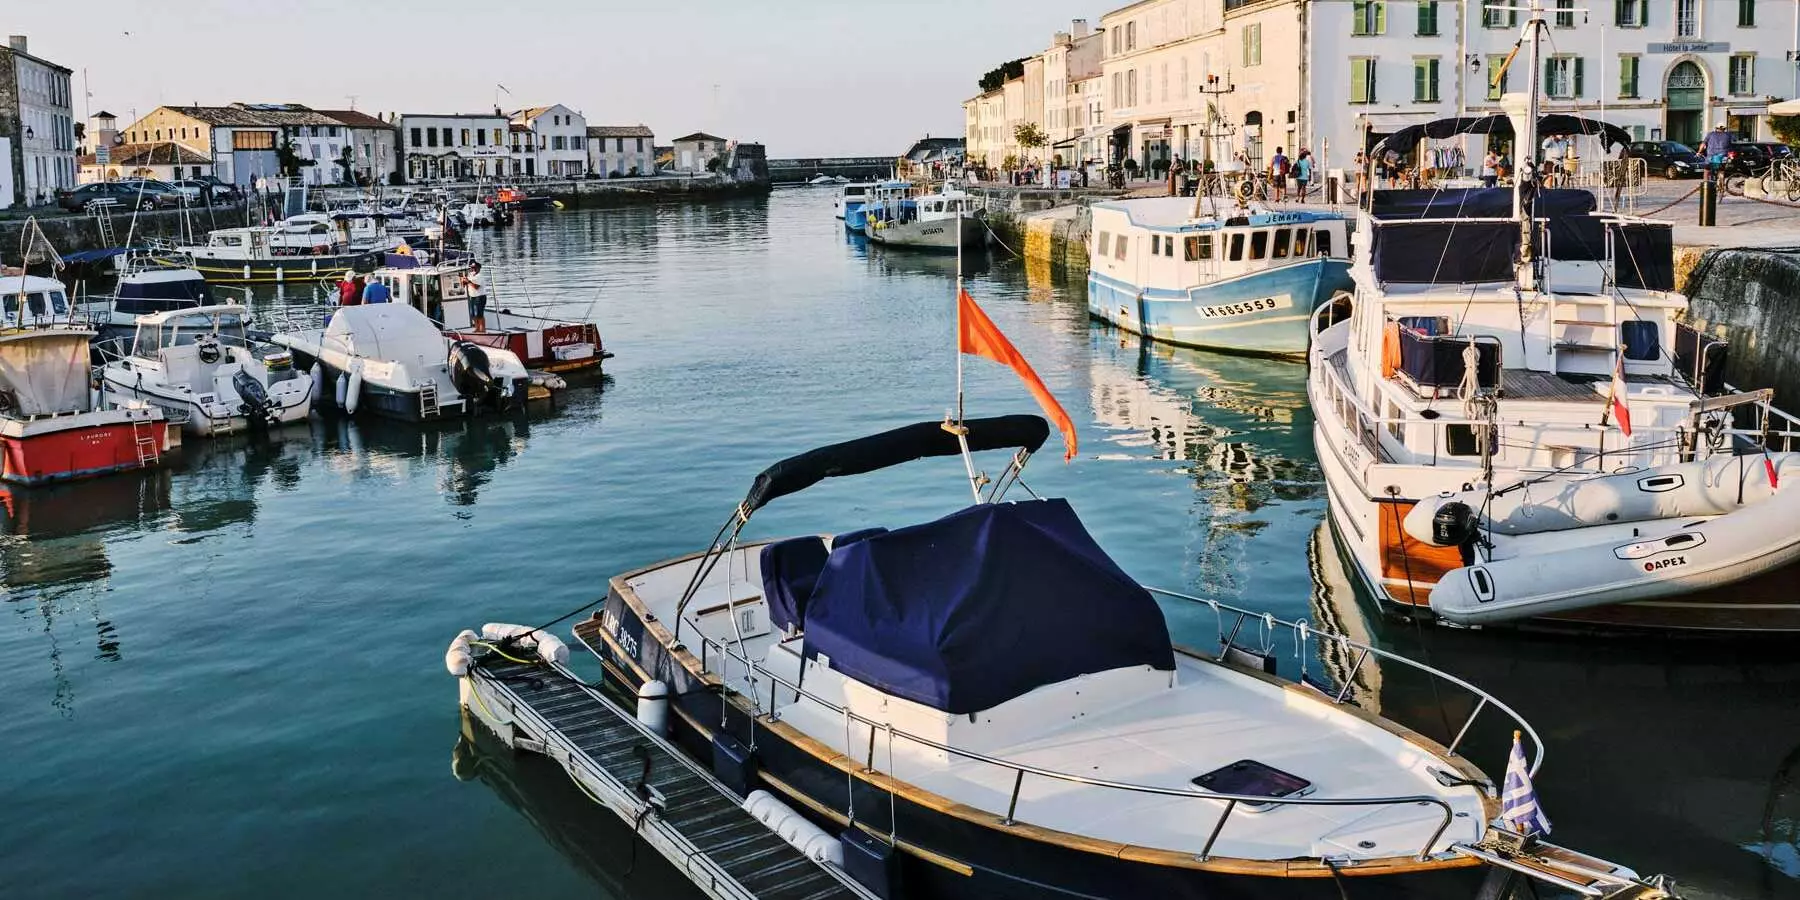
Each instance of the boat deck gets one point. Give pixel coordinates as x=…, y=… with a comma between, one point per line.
x=702, y=827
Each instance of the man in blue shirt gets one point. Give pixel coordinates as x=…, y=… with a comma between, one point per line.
x=377, y=292
x=1718, y=141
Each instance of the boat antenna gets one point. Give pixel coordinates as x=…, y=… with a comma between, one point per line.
x=954, y=423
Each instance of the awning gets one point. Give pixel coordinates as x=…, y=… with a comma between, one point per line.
x=1785, y=108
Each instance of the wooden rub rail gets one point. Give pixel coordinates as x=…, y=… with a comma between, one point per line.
x=696, y=822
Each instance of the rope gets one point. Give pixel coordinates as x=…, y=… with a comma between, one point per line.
x=1677, y=202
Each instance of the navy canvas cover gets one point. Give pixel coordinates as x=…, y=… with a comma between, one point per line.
x=981, y=606
x=1475, y=203
x=1445, y=252
x=789, y=570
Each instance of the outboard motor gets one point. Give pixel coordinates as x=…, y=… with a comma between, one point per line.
x=470, y=372
x=1454, y=525
x=257, y=404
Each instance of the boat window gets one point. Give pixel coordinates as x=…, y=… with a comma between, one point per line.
x=1237, y=247
x=1259, y=244
x=35, y=300
x=1642, y=342
x=1299, y=242
x=1281, y=243
x=1105, y=245
x=1155, y=244
x=1459, y=440
x=1198, y=248
x=11, y=302
x=1169, y=247
x=1119, y=248
x=1322, y=242
x=59, y=302
x=146, y=342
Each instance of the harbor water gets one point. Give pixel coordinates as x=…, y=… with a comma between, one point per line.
x=225, y=678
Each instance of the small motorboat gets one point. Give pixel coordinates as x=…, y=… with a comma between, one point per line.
x=851, y=198
x=476, y=214
x=943, y=221
x=50, y=427
x=202, y=369
x=388, y=359
x=302, y=247
x=147, y=285
x=1006, y=703
x=31, y=301
x=438, y=290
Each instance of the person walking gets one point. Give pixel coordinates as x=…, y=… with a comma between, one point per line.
x=1716, y=145
x=477, y=285
x=1490, y=169
x=1303, y=167
x=1278, y=174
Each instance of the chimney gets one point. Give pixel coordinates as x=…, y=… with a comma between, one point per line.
x=1080, y=27
x=17, y=42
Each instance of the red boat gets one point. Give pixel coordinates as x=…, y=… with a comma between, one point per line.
x=49, y=428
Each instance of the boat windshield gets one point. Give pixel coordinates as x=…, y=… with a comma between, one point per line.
x=39, y=303
x=227, y=327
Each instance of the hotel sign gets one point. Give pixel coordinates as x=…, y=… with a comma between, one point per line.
x=1692, y=47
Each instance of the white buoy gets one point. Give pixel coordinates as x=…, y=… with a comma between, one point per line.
x=653, y=706
x=353, y=392
x=318, y=382
x=796, y=829
x=338, y=386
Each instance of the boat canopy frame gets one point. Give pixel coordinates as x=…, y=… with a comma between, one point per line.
x=1024, y=433
x=1405, y=139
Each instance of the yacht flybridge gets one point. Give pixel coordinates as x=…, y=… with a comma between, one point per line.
x=1514, y=424
x=992, y=706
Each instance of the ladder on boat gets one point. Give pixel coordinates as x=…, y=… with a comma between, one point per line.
x=428, y=401
x=149, y=452
x=694, y=820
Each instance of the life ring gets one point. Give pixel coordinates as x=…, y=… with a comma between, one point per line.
x=208, y=349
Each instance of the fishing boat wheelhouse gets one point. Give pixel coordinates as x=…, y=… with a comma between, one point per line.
x=1515, y=427
x=50, y=428
x=439, y=291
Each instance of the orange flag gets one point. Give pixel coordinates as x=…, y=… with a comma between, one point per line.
x=977, y=335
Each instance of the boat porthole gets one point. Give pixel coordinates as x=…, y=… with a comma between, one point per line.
x=1462, y=815
x=1366, y=845
x=1612, y=517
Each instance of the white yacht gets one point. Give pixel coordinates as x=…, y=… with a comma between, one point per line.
x=201, y=368
x=1515, y=426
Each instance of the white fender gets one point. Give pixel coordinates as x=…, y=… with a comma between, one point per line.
x=338, y=386
x=318, y=383
x=458, y=659
x=796, y=829
x=653, y=706
x=353, y=393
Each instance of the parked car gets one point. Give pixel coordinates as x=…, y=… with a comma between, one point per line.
x=166, y=193
x=1670, y=159
x=221, y=190
x=1754, y=157
x=123, y=194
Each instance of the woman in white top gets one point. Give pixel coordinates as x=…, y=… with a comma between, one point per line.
x=1490, y=169
x=477, y=297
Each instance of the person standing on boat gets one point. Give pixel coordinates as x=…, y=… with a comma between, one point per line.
x=377, y=292
x=1556, y=149
x=1490, y=169
x=477, y=297
x=347, y=294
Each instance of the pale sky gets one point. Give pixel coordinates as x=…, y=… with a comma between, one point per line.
x=805, y=77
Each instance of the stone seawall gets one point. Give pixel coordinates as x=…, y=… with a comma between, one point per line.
x=69, y=233
x=1751, y=299
x=600, y=193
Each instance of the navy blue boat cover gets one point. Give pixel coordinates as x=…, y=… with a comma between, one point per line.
x=981, y=606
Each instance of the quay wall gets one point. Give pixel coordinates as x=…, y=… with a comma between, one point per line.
x=1751, y=299
x=72, y=232
x=600, y=193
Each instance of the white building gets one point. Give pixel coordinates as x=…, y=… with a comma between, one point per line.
x=167, y=161
x=549, y=141
x=1072, y=60
x=102, y=131
x=374, y=153
x=985, y=133
x=1189, y=78
x=1669, y=69
x=696, y=151
x=37, y=126
x=454, y=147
x=621, y=150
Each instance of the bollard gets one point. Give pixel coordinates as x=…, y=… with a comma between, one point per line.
x=1709, y=201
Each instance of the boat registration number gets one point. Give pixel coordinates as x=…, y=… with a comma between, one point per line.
x=627, y=642
x=1247, y=307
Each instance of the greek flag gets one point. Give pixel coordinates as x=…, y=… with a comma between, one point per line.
x=1518, y=801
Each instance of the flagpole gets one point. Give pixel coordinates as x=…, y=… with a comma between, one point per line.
x=959, y=429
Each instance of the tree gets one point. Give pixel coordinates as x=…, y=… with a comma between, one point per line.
x=996, y=78
x=1010, y=163
x=1030, y=136
x=1786, y=128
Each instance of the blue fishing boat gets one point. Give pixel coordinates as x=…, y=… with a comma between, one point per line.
x=856, y=214
x=1246, y=281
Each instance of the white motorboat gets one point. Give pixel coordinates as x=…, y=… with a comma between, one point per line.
x=850, y=199
x=201, y=368
x=439, y=290
x=477, y=214
x=946, y=220
x=1514, y=425
x=30, y=301
x=302, y=247
x=390, y=360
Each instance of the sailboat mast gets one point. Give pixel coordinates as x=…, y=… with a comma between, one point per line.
x=1529, y=137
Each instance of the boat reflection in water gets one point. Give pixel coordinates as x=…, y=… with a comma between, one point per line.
x=1658, y=751
x=585, y=833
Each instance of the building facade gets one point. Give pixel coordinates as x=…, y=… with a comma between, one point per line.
x=242, y=145
x=616, y=151
x=37, y=123
x=985, y=134
x=695, y=152
x=245, y=142
x=166, y=161
x=1072, y=60
x=453, y=147
x=370, y=148
x=550, y=141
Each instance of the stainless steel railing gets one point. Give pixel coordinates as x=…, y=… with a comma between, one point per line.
x=755, y=672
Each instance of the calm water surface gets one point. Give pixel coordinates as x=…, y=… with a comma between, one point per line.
x=226, y=679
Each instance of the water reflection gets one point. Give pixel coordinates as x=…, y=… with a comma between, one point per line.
x=584, y=832
x=1667, y=755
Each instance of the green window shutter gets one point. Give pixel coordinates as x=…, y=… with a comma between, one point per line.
x=1371, y=64
x=1550, y=77
x=1578, y=91
x=1434, y=80
x=1359, y=17
x=1359, y=81
x=1380, y=17
x=1619, y=11
x=1643, y=12
x=1418, y=79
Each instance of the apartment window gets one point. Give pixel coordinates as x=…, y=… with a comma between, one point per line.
x=1631, y=13
x=1131, y=88
x=1428, y=23
x=447, y=137
x=1746, y=13
x=1497, y=75
x=431, y=137
x=640, y=145
x=1425, y=79
x=1687, y=18
x=1115, y=40
x=1499, y=18
x=1362, y=79
x=331, y=131
x=465, y=137
x=1252, y=36
x=1563, y=76
x=481, y=137
x=1165, y=82
x=1628, y=76
x=253, y=140
x=1130, y=36
x=1118, y=90
x=498, y=140
x=1368, y=17
x=1743, y=74
x=1565, y=13
x=556, y=143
